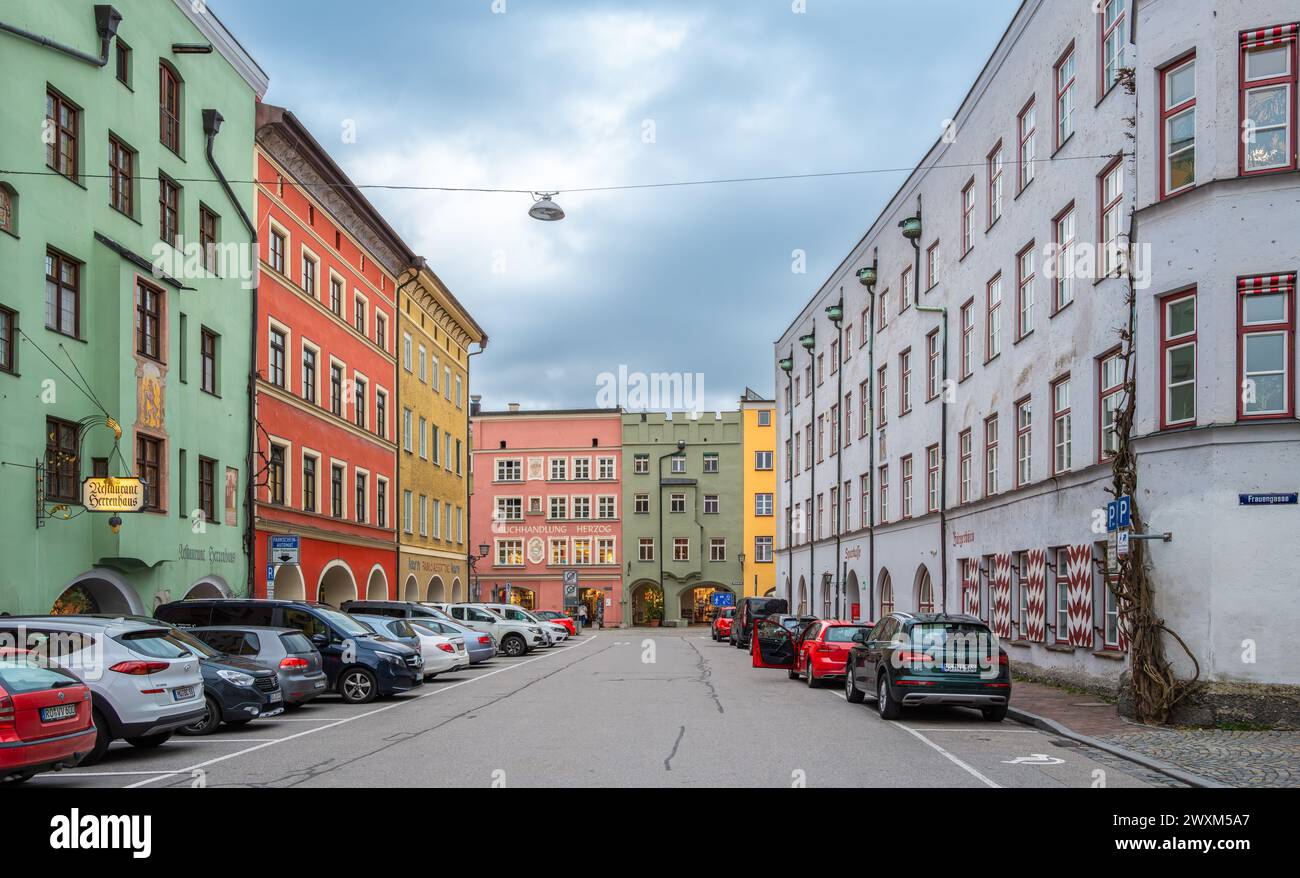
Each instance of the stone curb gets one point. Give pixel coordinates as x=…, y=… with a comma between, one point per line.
x=1050, y=725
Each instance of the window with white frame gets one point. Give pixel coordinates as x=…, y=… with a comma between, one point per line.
x=762, y=460
x=967, y=221
x=883, y=494
x=582, y=469
x=1178, y=126
x=967, y=339
x=509, y=470
x=581, y=508
x=1268, y=87
x=762, y=504
x=993, y=327
x=559, y=551
x=718, y=549
x=641, y=504
x=582, y=550
x=558, y=508
x=1025, y=292
x=509, y=509
x=710, y=504
x=1111, y=398
x=1112, y=204
x=995, y=166
x=991, y=455
x=762, y=550
x=645, y=549
x=964, y=465
x=681, y=549
x=933, y=372
x=641, y=464
x=559, y=469
x=1063, y=290
x=605, y=469
x=1027, y=124
x=710, y=462
x=677, y=463
x=605, y=551
x=606, y=507
x=1062, y=588
x=932, y=478
x=1065, y=96
x=905, y=468
x=1266, y=342
x=905, y=382
x=1113, y=41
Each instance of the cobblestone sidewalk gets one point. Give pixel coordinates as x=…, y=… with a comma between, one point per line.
x=1240, y=759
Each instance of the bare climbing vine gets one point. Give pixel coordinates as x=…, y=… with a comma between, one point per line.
x=1155, y=687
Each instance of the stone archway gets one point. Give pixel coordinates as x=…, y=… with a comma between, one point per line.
x=289, y=583
x=852, y=595
x=98, y=591
x=437, y=590
x=647, y=602
x=208, y=587
x=337, y=584
x=457, y=591
x=696, y=604
x=824, y=610
x=885, y=590
x=411, y=591
x=377, y=584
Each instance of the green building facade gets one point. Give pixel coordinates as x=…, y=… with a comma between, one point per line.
x=691, y=469
x=127, y=277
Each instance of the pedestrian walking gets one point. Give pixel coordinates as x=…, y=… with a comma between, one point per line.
x=582, y=616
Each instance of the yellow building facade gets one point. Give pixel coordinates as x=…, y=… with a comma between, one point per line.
x=436, y=337
x=760, y=438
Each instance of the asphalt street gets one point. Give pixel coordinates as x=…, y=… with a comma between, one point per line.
x=615, y=708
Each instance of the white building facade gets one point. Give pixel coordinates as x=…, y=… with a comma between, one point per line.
x=980, y=493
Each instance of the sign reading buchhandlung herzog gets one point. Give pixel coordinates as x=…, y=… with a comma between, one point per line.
x=112, y=494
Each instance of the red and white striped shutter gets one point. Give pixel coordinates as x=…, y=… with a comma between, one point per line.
x=970, y=586
x=1266, y=283
x=1079, y=594
x=1000, y=595
x=1036, y=624
x=1268, y=36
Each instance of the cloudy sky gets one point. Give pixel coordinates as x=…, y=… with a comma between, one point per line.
x=567, y=94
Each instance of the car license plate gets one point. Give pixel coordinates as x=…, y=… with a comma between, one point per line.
x=320, y=684
x=58, y=712
x=960, y=669
x=183, y=693
x=276, y=696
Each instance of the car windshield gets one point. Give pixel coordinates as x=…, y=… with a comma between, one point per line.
x=345, y=624
x=19, y=676
x=842, y=633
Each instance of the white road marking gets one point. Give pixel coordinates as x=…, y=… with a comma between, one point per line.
x=950, y=757
x=235, y=740
x=343, y=721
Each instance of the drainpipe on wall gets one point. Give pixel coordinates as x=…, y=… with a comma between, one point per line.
x=836, y=439
x=471, y=581
x=107, y=20
x=211, y=126
x=812, y=466
x=399, y=520
x=789, y=509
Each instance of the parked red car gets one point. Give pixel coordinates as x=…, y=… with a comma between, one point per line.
x=45, y=718
x=722, y=623
x=823, y=648
x=558, y=619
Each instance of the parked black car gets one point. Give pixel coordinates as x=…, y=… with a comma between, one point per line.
x=395, y=609
x=359, y=664
x=751, y=610
x=236, y=690
x=929, y=658
x=286, y=651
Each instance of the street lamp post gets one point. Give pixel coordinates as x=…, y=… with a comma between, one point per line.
x=836, y=314
x=867, y=276
x=787, y=366
x=483, y=551
x=809, y=342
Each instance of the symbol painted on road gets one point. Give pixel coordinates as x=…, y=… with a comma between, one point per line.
x=1034, y=759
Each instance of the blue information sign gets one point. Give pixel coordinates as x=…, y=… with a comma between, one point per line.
x=723, y=599
x=1119, y=513
x=1268, y=499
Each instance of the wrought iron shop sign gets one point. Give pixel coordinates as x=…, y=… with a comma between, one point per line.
x=112, y=494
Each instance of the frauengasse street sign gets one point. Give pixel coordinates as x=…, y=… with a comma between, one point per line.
x=1282, y=499
x=112, y=494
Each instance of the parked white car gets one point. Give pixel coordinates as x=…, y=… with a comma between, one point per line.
x=512, y=638
x=144, y=685
x=555, y=633
x=440, y=653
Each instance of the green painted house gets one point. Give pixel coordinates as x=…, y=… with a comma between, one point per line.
x=690, y=469
x=127, y=280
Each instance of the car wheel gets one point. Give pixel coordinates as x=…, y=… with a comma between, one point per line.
x=208, y=724
x=513, y=645
x=102, y=739
x=358, y=686
x=148, y=742
x=852, y=693
x=888, y=707
x=995, y=714
x=812, y=675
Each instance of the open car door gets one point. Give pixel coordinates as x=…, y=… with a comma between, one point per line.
x=772, y=646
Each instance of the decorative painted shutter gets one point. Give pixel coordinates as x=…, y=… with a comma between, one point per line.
x=1000, y=595
x=970, y=586
x=1079, y=598
x=1036, y=624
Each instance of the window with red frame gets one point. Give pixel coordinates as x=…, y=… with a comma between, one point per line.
x=932, y=366
x=1064, y=74
x=905, y=291
x=1110, y=188
x=169, y=108
x=1178, y=359
x=881, y=394
x=1063, y=234
x=932, y=478
x=1268, y=99
x=967, y=338
x=1062, y=431
x=864, y=404
x=881, y=300
x=965, y=453
x=1027, y=126
x=1266, y=342
x=1110, y=393
x=1024, y=442
x=905, y=468
x=905, y=382
x=995, y=166
x=932, y=266
x=967, y=217
x=1113, y=15
x=1025, y=277
x=993, y=324
x=883, y=481
x=864, y=487
x=1178, y=126
x=848, y=418
x=990, y=455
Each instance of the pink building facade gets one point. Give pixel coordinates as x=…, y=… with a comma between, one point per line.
x=547, y=502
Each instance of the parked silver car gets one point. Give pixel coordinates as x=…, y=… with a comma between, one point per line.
x=287, y=651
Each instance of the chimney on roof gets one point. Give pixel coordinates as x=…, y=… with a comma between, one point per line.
x=513, y=406
x=475, y=404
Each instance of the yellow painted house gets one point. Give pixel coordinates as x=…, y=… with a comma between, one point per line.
x=759, y=492
x=436, y=334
